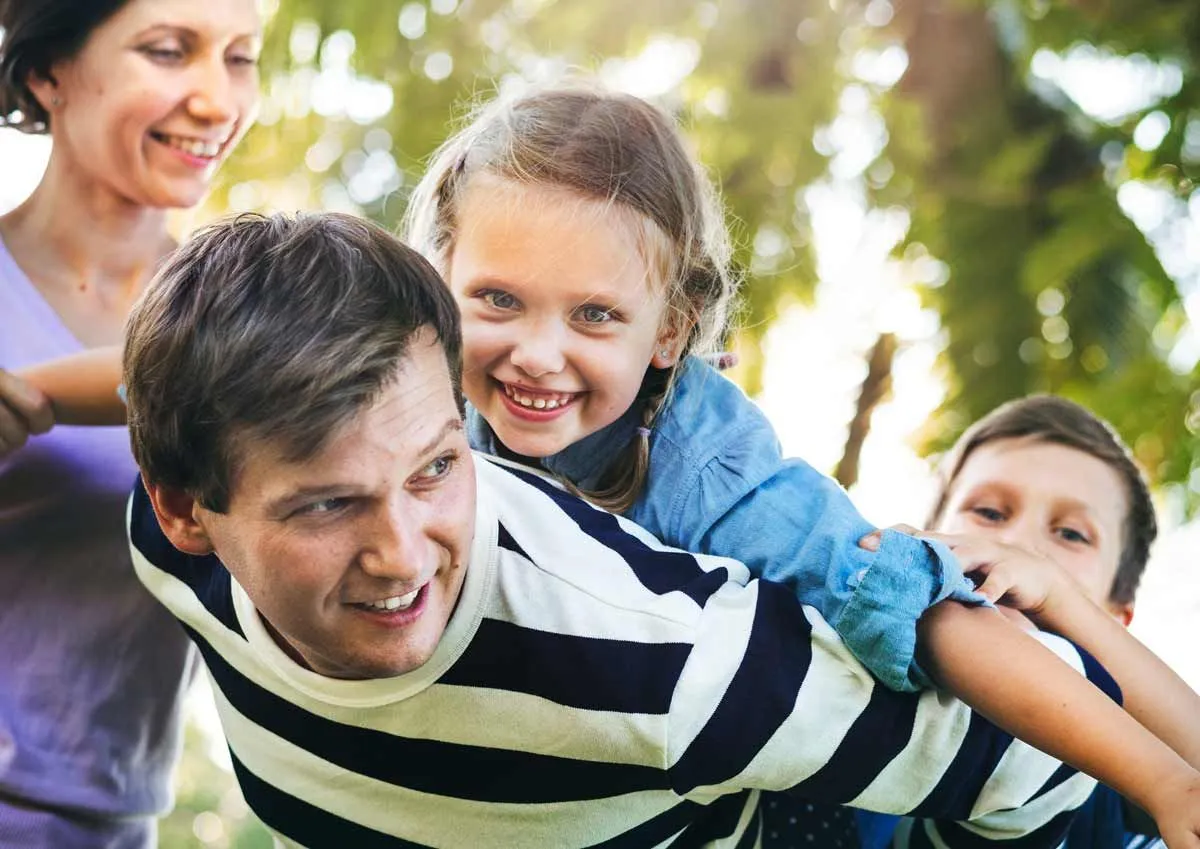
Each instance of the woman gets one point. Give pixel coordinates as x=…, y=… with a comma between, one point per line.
x=142, y=100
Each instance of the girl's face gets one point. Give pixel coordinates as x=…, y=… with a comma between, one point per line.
x=560, y=316
x=157, y=97
x=1059, y=501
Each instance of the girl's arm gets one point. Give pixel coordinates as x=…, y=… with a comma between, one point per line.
x=1009, y=677
x=82, y=387
x=1153, y=694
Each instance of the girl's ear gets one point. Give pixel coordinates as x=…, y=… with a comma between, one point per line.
x=672, y=339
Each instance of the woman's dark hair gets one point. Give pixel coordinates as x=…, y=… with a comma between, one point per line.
x=37, y=34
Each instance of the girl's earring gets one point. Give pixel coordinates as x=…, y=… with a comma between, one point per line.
x=55, y=100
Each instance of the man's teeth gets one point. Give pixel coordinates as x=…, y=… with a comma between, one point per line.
x=193, y=146
x=396, y=602
x=542, y=402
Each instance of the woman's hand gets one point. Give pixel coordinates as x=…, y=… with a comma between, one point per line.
x=24, y=412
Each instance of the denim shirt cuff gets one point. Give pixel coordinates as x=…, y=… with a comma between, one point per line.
x=904, y=578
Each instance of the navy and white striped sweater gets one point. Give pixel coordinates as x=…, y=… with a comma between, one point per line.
x=594, y=688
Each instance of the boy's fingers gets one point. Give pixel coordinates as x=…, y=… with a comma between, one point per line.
x=26, y=402
x=872, y=540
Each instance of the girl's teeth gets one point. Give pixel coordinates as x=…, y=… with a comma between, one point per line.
x=535, y=403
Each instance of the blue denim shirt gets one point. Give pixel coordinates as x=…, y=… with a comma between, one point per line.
x=718, y=484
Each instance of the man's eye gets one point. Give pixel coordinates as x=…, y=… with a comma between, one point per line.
x=439, y=468
x=592, y=314
x=499, y=300
x=323, y=507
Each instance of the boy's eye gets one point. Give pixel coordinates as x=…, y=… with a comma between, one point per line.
x=1072, y=535
x=499, y=300
x=988, y=514
x=592, y=314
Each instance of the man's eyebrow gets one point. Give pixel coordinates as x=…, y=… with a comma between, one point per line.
x=450, y=426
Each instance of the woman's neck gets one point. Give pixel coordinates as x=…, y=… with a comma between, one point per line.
x=72, y=233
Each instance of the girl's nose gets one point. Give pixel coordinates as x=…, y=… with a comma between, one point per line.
x=539, y=352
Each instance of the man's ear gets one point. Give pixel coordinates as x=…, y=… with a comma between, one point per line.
x=176, y=513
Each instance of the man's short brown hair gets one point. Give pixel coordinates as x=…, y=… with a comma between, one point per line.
x=1048, y=418
x=280, y=327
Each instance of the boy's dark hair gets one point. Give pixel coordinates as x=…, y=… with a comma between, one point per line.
x=272, y=327
x=1048, y=418
x=38, y=33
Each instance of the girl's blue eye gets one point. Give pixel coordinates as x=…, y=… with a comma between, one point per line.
x=592, y=314
x=500, y=300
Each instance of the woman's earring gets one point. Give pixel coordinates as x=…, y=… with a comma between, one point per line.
x=55, y=100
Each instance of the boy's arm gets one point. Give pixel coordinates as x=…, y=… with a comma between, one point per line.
x=1153, y=694
x=1014, y=681
x=771, y=699
x=82, y=387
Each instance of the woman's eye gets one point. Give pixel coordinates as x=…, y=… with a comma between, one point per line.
x=164, y=55
x=246, y=61
x=591, y=314
x=499, y=300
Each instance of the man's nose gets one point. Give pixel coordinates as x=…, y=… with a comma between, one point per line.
x=398, y=548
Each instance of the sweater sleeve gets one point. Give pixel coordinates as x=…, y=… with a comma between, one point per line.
x=792, y=525
x=772, y=699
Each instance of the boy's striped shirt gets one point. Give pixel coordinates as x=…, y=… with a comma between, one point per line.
x=594, y=688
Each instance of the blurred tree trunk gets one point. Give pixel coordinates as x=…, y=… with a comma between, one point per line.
x=875, y=388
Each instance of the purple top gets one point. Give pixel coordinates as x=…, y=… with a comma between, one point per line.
x=92, y=668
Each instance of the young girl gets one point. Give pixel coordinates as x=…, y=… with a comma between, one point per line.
x=586, y=249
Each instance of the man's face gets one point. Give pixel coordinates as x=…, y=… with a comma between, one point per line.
x=355, y=558
x=1059, y=501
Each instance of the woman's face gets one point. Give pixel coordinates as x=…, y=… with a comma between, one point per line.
x=157, y=97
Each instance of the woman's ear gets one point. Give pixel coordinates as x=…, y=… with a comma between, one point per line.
x=45, y=90
x=176, y=514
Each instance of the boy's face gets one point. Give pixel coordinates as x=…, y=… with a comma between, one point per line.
x=1059, y=501
x=355, y=558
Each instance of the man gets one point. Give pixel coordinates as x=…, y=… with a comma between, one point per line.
x=412, y=646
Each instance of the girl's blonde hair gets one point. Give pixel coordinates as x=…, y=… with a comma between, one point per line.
x=616, y=149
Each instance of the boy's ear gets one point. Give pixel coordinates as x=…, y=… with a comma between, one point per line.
x=1123, y=613
x=176, y=513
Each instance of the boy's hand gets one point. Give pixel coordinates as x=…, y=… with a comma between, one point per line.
x=24, y=412
x=1176, y=811
x=1007, y=574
